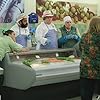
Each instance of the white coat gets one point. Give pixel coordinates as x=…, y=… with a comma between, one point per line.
x=41, y=31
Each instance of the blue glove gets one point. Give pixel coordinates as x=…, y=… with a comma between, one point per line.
x=69, y=36
x=76, y=37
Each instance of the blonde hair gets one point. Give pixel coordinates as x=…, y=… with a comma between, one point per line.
x=94, y=25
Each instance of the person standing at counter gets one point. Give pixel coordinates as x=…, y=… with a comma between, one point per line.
x=46, y=33
x=23, y=36
x=90, y=59
x=69, y=34
x=8, y=44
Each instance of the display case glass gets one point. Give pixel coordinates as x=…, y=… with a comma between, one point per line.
x=51, y=66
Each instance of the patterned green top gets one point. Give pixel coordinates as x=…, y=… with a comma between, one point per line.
x=69, y=38
x=7, y=45
x=90, y=56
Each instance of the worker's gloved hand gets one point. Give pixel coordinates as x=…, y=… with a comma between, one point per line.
x=69, y=36
x=64, y=39
x=76, y=37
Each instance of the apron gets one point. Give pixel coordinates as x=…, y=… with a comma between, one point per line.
x=52, y=37
x=21, y=39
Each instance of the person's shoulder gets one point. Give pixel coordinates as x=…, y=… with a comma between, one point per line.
x=1, y=38
x=53, y=24
x=73, y=27
x=7, y=38
x=41, y=26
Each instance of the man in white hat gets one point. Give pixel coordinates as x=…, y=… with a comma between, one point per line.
x=70, y=34
x=46, y=33
x=22, y=31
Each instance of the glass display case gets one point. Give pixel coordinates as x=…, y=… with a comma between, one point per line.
x=56, y=74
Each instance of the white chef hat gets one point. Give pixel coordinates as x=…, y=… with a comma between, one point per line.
x=47, y=13
x=21, y=16
x=67, y=19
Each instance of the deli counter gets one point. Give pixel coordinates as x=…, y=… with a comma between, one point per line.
x=41, y=75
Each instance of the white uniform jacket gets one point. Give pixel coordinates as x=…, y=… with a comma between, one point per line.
x=41, y=31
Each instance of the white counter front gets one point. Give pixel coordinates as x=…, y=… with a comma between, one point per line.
x=56, y=72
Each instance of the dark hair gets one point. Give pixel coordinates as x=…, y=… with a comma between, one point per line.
x=7, y=32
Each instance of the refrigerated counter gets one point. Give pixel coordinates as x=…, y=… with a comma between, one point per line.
x=55, y=80
x=57, y=72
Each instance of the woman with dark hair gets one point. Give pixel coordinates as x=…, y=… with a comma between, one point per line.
x=10, y=33
x=90, y=59
x=8, y=44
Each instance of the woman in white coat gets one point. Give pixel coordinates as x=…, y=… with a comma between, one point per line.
x=46, y=33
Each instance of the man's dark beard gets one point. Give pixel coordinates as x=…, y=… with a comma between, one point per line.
x=23, y=25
